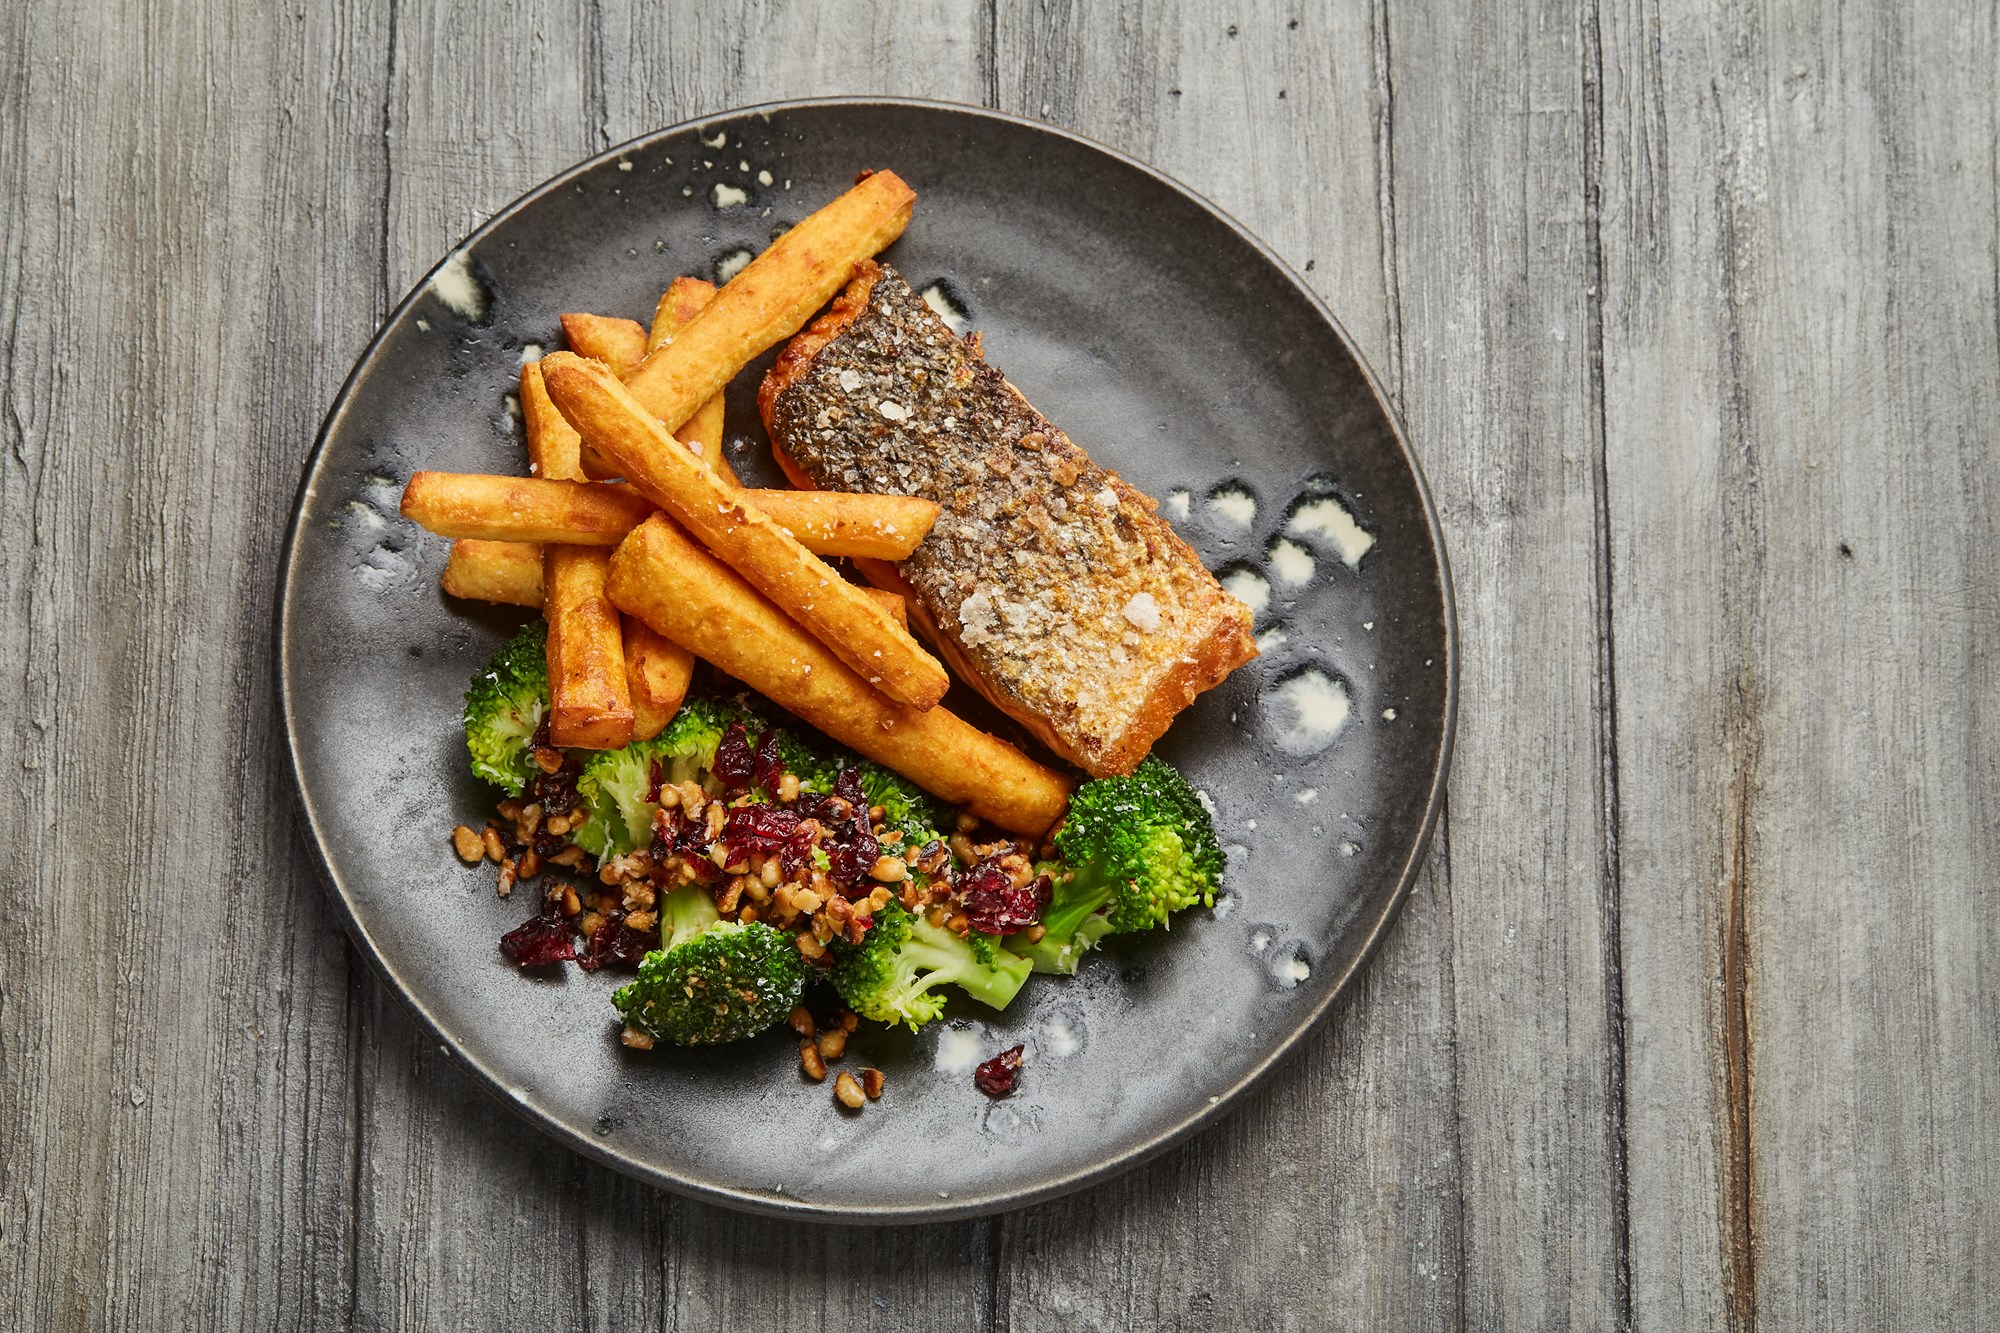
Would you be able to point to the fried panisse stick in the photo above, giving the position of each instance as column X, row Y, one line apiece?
column 858, row 631
column 529, row 509
column 554, row 447
column 667, row 580
column 509, row 572
column 658, row 671
column 684, row 299
column 590, row 699
column 772, row 298
column 523, row 509
column 618, row 343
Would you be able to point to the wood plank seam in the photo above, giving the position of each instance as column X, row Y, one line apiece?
column 1611, row 871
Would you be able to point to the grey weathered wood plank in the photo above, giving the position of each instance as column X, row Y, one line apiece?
column 1347, row 1214
column 1801, row 405
column 1491, row 240
column 178, row 231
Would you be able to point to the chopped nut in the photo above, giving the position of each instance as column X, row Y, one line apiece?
column 510, row 809
column 879, row 899
column 875, row 813
column 530, row 864
column 824, row 928
column 962, row 848
column 748, row 915
column 506, row 884
column 642, row 920
column 810, row 1061
column 548, row 760
column 490, row 840
column 570, row 857
column 468, row 845
column 967, row 822
column 717, row 817
column 771, row 872
column 588, row 923
column 755, row 888
column 731, row 895
column 833, row 1043
column 693, row 799
column 557, row 825
column 958, row 923
column 670, row 796
column 788, row 788
column 847, row 1089
column 871, row 1082
column 636, row 1039
column 889, row 870
column 811, row 946
column 838, row 909
column 801, row 1021
column 571, row 904
column 531, row 819
column 909, row 896
column 638, row 895
column 1036, row 931
column 1017, row 868
column 849, row 1020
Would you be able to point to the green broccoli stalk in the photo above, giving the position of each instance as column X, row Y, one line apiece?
column 711, row 980
column 503, row 708
column 1138, row 849
column 892, row 975
column 614, row 783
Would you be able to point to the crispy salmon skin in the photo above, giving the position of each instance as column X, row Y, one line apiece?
column 1047, row 582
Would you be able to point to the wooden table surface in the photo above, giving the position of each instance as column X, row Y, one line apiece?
column 1693, row 312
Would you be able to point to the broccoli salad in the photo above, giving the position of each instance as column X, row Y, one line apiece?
column 735, row 861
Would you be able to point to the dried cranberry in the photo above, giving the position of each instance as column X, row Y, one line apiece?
column 765, row 830
column 656, row 777
column 541, row 941
column 766, row 766
column 734, row 763
column 847, row 786
column 996, row 1077
column 616, row 942
column 994, row 905
column 850, row 860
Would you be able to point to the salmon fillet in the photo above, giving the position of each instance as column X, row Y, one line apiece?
column 1047, row 583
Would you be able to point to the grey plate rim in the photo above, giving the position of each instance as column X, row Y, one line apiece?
column 691, row 1186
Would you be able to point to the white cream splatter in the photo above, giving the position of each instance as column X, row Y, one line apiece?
column 1292, row 563
column 530, row 352
column 1296, row 970
column 1273, row 639
column 763, row 178
column 1326, row 519
column 423, row 325
column 1177, row 504
column 957, row 1051
column 1234, row 505
column 850, row 379
column 728, row 196
column 1310, row 709
column 1250, row 588
column 730, row 265
column 366, row 515
column 461, row 291
column 721, row 139
column 1207, row 802
column 624, row 164
column 893, row 410
column 1059, row 1038
column 1260, row 941
column 1225, row 903
column 513, row 401
column 948, row 310
column 1388, row 715
column 1306, row 795
column 1143, row 611
column 1350, row 848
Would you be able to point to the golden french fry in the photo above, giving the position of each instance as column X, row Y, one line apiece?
column 523, row 509
column 509, row 572
column 618, row 343
column 702, row 432
column 893, row 603
column 860, row 632
column 772, row 298
column 658, row 670
column 553, row 444
column 666, row 579
column 878, row 527
column 590, row 699
column 832, row 524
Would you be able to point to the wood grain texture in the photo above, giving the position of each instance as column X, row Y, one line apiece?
column 1801, row 404
column 1694, row 312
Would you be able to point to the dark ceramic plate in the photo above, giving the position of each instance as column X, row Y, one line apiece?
column 1168, row 342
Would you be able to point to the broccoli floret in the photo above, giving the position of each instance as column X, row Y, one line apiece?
column 614, row 783
column 905, row 806
column 711, row 980
column 504, row 705
column 892, row 974
column 1137, row 849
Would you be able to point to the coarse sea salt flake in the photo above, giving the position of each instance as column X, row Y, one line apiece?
column 1107, row 497
column 1143, row 611
column 893, row 410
